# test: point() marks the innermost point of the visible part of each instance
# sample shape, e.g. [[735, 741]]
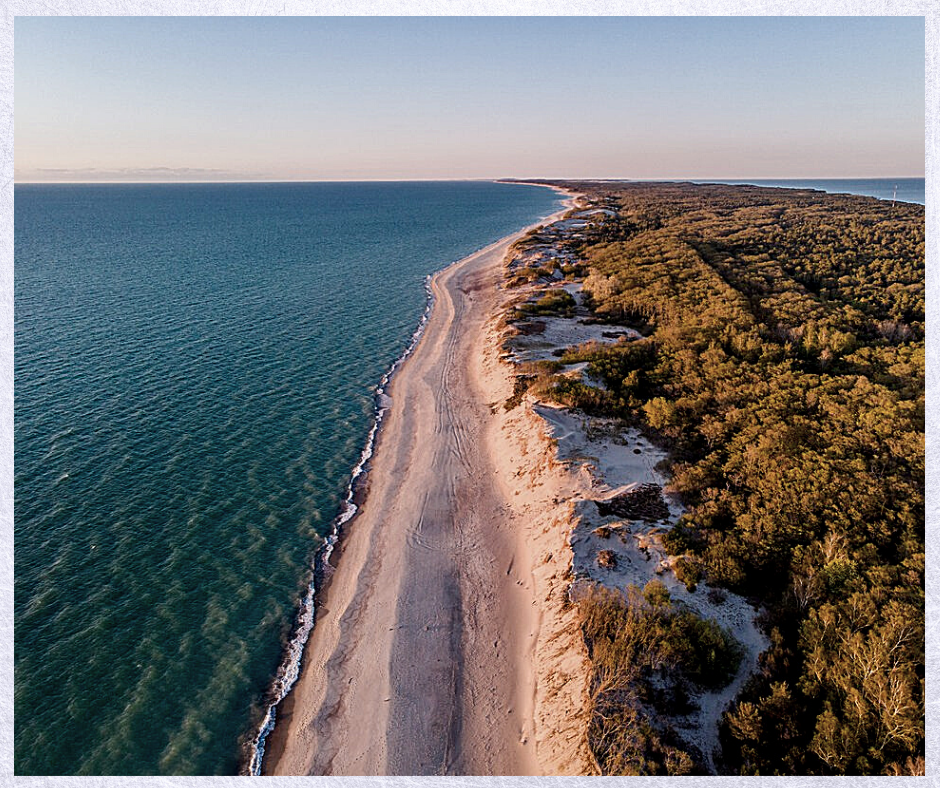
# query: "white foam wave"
[[289, 670]]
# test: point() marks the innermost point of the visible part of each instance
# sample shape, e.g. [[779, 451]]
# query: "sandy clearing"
[[611, 459], [564, 332]]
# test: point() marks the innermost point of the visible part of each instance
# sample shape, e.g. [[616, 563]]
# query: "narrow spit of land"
[[421, 658]]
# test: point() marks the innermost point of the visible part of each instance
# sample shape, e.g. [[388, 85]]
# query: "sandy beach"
[[423, 658]]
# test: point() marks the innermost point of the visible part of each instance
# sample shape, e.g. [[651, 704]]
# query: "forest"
[[781, 362]]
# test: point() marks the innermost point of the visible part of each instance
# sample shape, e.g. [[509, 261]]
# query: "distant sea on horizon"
[[194, 375], [908, 189]]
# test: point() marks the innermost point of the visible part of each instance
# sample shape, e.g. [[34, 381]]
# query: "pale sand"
[[604, 456], [444, 643]]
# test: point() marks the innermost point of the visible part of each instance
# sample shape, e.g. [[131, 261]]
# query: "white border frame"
[[456, 8]]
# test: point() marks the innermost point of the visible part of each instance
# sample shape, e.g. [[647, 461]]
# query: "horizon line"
[[503, 179]]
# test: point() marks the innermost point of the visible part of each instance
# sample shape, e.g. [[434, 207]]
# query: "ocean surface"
[[908, 189], [195, 373]]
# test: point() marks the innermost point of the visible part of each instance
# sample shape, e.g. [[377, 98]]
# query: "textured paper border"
[[457, 8]]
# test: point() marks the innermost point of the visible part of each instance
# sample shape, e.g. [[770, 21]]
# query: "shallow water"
[[194, 374]]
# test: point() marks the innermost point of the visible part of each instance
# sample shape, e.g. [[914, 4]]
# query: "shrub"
[[688, 571], [644, 650]]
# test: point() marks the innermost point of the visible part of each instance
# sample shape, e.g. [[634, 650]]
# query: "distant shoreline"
[[878, 188]]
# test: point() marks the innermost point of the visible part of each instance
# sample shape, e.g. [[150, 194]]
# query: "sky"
[[390, 98]]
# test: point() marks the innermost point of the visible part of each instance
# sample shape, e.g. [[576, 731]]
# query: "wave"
[[289, 670]]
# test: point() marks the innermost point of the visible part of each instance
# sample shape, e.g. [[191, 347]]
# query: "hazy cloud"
[[134, 174]]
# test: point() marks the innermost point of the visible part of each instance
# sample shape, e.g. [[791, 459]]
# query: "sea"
[[198, 373], [902, 189]]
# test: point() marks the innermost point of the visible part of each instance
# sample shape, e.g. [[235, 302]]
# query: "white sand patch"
[[564, 332], [580, 373], [603, 211], [613, 460], [540, 256], [567, 225], [574, 370], [576, 291], [617, 457]]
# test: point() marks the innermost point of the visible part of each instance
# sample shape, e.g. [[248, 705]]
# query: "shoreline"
[[322, 568], [278, 741]]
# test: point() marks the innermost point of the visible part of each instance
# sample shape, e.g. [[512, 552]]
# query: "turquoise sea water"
[[906, 189], [194, 374]]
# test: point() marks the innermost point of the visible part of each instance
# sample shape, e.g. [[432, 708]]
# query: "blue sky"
[[402, 97]]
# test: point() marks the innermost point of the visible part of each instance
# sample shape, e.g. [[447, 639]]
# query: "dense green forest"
[[782, 363]]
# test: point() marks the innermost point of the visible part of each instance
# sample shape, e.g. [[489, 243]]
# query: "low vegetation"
[[648, 656], [554, 302]]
